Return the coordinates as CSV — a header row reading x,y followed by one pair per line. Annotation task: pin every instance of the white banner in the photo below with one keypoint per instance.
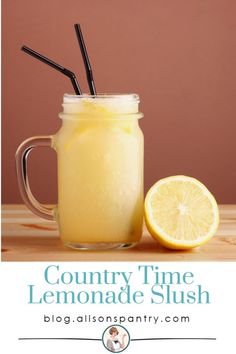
x,y
112,307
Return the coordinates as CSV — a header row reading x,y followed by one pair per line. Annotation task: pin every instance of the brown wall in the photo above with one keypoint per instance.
x,y
179,55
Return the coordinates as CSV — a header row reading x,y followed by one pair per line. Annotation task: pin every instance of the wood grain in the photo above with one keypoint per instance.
x,y
25,237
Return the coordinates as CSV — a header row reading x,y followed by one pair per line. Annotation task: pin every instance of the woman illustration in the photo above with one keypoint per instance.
x,y
113,343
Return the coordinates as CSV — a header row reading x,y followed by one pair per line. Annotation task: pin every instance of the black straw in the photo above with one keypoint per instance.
x,y
87,64
56,66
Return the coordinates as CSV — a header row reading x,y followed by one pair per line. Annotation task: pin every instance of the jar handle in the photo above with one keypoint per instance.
x,y
22,176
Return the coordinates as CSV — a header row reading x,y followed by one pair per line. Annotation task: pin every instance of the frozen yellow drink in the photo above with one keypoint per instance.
x,y
100,171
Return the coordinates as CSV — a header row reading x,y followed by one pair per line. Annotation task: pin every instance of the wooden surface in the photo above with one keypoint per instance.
x,y
25,237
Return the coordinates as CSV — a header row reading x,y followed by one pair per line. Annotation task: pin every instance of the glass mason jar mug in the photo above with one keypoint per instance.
x,y
100,172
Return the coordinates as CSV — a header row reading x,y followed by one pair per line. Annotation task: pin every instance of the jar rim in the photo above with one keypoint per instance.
x,y
101,106
72,98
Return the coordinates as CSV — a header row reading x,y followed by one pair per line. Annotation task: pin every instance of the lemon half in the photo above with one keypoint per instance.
x,y
180,212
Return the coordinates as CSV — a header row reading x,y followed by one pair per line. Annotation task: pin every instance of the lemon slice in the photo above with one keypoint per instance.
x,y
181,213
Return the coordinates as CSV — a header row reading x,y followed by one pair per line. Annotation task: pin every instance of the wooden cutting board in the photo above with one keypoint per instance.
x,y
26,237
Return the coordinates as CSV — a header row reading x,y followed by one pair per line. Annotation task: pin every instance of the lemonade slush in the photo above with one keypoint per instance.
x,y
100,171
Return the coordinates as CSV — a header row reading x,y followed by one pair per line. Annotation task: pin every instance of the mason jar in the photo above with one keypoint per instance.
x,y
100,149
